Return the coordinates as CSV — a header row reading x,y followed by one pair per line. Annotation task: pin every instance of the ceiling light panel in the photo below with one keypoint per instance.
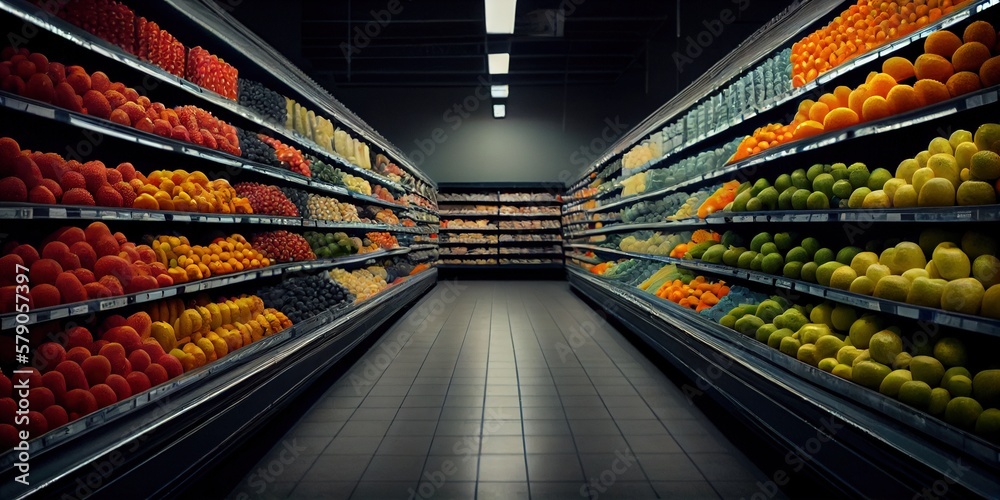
x,y
499,64
500,16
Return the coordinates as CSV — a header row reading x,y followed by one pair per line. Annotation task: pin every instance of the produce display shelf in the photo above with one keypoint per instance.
x,y
542,265
467,255
423,246
216,20
158,439
926,114
577,201
531,254
583,258
806,395
816,86
462,214
970,323
77,309
466,244
574,211
225,160
528,216
94,44
468,229
979,213
532,203
485,202
27,211
531,242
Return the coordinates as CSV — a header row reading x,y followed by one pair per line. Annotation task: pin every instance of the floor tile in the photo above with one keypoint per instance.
x,y
504,468
694,490
327,490
405,445
668,467
337,468
380,490
564,467
501,491
394,467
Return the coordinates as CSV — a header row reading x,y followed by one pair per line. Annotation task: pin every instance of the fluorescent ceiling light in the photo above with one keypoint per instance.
x,y
500,91
500,16
499,64
499,110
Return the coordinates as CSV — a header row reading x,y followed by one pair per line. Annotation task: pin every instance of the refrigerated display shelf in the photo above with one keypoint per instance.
x,y
446,255
765,386
466,243
980,213
56,26
528,216
485,202
216,20
86,122
531,242
813,87
926,114
583,258
543,265
467,214
26,211
423,246
77,309
159,439
961,321
538,203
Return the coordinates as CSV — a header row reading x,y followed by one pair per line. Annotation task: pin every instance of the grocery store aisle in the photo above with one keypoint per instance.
x,y
503,390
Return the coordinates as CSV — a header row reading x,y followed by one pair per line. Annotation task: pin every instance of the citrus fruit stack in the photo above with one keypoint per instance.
x,y
950,67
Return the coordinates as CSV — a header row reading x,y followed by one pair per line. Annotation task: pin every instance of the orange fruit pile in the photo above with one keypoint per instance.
x,y
949,67
186,262
699,294
861,28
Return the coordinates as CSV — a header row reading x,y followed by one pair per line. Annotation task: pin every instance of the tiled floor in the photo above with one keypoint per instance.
x,y
503,390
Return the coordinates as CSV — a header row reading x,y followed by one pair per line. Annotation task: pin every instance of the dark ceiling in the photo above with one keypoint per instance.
x,y
444,43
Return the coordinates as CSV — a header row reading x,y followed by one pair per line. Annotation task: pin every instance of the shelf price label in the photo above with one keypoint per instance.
x,y
113,303
782,283
761,278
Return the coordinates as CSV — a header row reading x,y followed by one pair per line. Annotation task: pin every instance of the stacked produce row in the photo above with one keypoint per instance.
x,y
481,227
111,308
851,231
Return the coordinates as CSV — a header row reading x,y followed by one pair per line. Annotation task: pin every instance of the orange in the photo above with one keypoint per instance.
x,y
875,108
943,43
899,67
989,72
857,98
807,129
931,91
963,82
902,98
934,67
970,56
805,105
840,118
881,84
831,101
818,111
982,32
843,94
868,79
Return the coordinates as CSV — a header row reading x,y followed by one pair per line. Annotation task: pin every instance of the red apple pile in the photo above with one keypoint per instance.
x,y
283,246
80,264
46,178
71,381
267,200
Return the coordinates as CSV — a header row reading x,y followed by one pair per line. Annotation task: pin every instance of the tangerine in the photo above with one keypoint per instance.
x,y
931,91
934,67
989,72
970,57
875,108
899,67
818,111
902,98
963,82
982,32
843,94
840,118
881,84
943,43
857,98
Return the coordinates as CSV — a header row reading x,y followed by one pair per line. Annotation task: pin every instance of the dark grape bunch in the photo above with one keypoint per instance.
x,y
305,297
299,198
266,102
255,150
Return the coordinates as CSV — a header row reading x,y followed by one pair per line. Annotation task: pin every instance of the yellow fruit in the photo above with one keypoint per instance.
x,y
976,193
926,292
842,278
986,387
920,177
891,383
963,412
906,169
884,346
905,197
991,302
908,255
964,153
862,285
922,158
876,272
912,274
987,135
951,262
988,424
870,374
944,166
937,192
862,261
876,199
892,288
939,145
964,295
164,334
215,317
891,186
